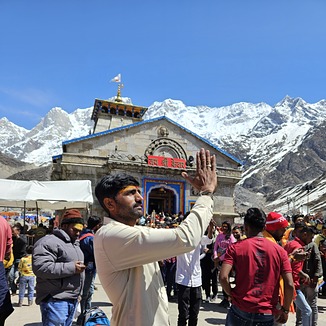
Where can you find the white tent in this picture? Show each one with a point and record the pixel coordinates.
(46, 194)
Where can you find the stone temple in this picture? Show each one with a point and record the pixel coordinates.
(154, 151)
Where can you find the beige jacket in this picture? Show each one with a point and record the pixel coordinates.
(126, 259)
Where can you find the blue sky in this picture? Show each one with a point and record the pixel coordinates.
(211, 52)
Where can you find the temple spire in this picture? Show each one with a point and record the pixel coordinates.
(117, 79)
(118, 98)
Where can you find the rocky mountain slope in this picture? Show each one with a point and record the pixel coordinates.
(282, 147)
(9, 166)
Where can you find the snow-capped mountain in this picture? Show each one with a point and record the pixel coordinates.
(281, 146)
(11, 133)
(44, 140)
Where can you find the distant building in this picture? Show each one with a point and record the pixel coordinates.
(154, 151)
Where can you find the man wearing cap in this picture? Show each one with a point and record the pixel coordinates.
(58, 266)
(276, 225)
(127, 254)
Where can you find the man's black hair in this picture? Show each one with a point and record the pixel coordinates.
(299, 225)
(302, 227)
(255, 218)
(295, 217)
(93, 221)
(110, 185)
(237, 227)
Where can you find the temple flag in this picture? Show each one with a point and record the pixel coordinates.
(116, 79)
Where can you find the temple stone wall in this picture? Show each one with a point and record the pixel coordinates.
(125, 151)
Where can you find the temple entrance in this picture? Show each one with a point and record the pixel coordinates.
(161, 200)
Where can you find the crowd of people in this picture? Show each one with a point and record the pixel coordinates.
(308, 267)
(267, 267)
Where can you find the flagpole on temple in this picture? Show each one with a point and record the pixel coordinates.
(117, 79)
(118, 98)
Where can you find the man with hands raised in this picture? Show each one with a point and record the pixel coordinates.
(127, 254)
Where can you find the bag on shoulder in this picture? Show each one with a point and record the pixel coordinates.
(85, 235)
(95, 316)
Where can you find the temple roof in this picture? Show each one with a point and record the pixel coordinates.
(113, 107)
(133, 125)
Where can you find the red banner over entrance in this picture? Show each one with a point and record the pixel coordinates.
(169, 162)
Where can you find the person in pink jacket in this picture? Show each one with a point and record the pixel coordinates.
(223, 241)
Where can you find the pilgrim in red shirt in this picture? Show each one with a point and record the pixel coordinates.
(258, 264)
(296, 265)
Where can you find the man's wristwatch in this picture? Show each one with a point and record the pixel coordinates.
(206, 193)
(284, 310)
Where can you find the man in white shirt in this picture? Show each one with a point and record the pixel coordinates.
(188, 278)
(127, 254)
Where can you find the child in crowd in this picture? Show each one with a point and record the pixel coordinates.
(27, 277)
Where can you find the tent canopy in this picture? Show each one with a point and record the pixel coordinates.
(46, 194)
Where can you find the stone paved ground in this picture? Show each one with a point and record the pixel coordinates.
(210, 313)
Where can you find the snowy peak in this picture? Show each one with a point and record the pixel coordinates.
(55, 117)
(10, 133)
(281, 145)
(5, 124)
(291, 102)
(167, 107)
(44, 140)
(242, 128)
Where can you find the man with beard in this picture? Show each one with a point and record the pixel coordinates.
(59, 269)
(275, 228)
(127, 254)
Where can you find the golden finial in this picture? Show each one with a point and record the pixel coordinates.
(118, 98)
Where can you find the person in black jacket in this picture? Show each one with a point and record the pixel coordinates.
(209, 272)
(86, 245)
